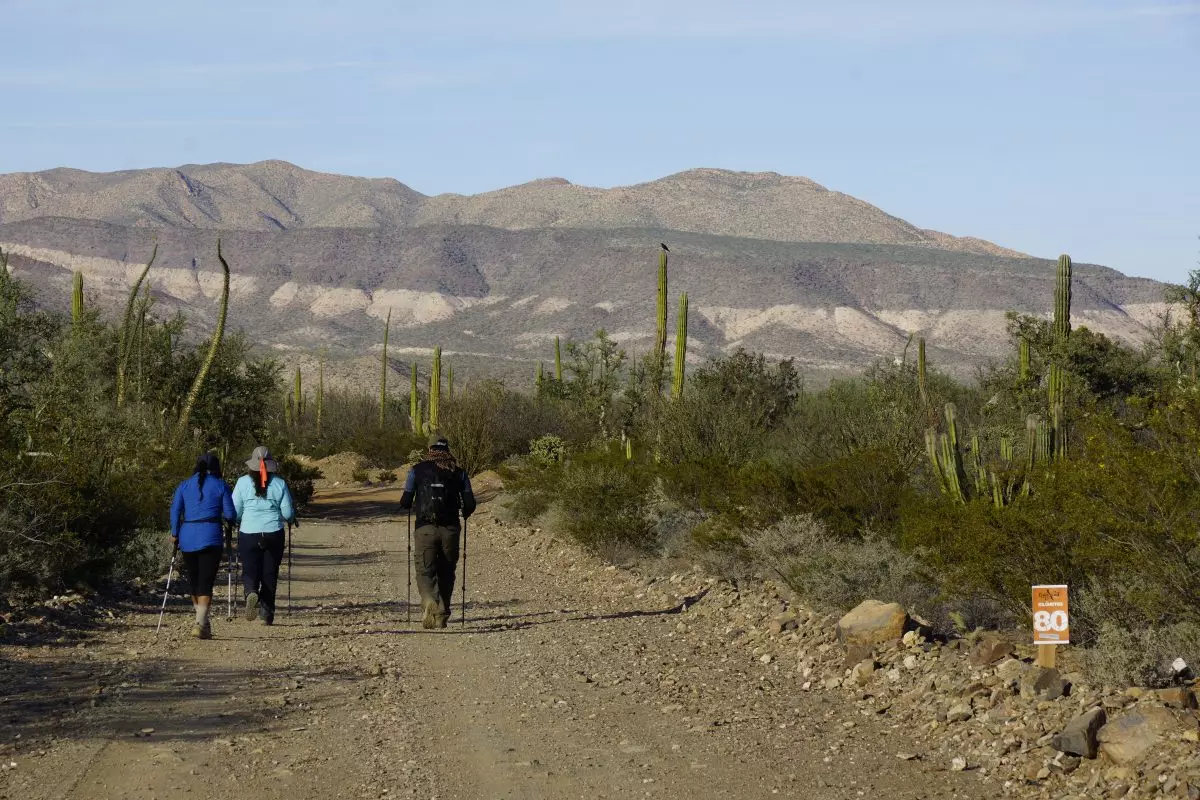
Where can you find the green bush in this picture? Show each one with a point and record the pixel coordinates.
(300, 479)
(547, 450)
(604, 503)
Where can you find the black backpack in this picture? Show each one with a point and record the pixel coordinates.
(438, 494)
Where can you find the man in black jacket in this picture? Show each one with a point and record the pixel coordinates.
(436, 491)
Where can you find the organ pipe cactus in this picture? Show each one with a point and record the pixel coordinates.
(557, 360)
(1062, 331)
(681, 332)
(77, 300)
(213, 348)
(387, 326)
(540, 378)
(127, 324)
(435, 390)
(1023, 353)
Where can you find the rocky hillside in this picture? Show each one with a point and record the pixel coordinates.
(770, 263)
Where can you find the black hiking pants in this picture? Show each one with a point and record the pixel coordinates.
(435, 556)
(261, 553)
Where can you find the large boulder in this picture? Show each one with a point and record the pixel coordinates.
(1126, 739)
(1079, 737)
(872, 622)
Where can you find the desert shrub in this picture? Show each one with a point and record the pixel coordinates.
(604, 502)
(547, 450)
(299, 478)
(360, 475)
(831, 572)
(487, 423)
(1140, 656)
(387, 476)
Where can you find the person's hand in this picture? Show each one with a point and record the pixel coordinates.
(175, 541)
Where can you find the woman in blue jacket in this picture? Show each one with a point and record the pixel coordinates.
(264, 506)
(201, 505)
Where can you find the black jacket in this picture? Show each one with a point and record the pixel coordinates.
(423, 483)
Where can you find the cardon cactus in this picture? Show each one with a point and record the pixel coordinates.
(1062, 331)
(557, 360)
(1023, 353)
(298, 396)
(660, 340)
(450, 381)
(435, 390)
(387, 326)
(320, 406)
(77, 300)
(681, 332)
(414, 403)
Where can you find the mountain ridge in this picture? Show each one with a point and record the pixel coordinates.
(278, 195)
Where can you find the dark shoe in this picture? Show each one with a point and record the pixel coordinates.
(266, 614)
(443, 620)
(206, 631)
(251, 607)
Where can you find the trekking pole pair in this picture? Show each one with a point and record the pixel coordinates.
(167, 592)
(289, 558)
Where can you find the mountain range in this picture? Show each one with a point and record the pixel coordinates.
(772, 263)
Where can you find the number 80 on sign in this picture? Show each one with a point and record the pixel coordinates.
(1051, 615)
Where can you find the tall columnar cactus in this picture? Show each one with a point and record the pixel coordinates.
(921, 385)
(1023, 356)
(540, 377)
(320, 404)
(450, 381)
(213, 348)
(435, 390)
(414, 403)
(681, 333)
(126, 334)
(557, 360)
(1062, 331)
(298, 396)
(383, 371)
(77, 300)
(660, 341)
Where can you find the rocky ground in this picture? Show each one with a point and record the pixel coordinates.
(570, 678)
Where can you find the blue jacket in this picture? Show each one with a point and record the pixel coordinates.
(197, 512)
(263, 514)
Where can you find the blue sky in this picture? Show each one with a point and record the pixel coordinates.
(1049, 126)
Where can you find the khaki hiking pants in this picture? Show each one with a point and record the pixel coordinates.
(435, 557)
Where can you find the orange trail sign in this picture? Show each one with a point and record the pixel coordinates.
(1051, 615)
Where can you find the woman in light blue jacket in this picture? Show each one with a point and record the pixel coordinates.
(264, 508)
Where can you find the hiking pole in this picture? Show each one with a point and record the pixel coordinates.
(289, 548)
(464, 575)
(229, 573)
(170, 573)
(408, 556)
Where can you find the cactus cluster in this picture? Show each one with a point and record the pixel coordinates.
(963, 478)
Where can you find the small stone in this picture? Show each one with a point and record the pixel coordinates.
(1069, 764)
(910, 662)
(766, 658)
(907, 756)
(784, 622)
(863, 671)
(857, 653)
(958, 764)
(147, 731)
(1011, 669)
(375, 671)
(960, 712)
(1043, 773)
(911, 639)
(833, 683)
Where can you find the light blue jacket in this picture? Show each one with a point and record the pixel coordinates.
(263, 514)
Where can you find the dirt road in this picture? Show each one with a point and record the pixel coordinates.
(569, 680)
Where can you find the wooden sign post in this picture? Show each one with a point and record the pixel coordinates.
(1051, 622)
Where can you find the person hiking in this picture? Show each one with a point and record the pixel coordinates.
(435, 491)
(264, 508)
(201, 506)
